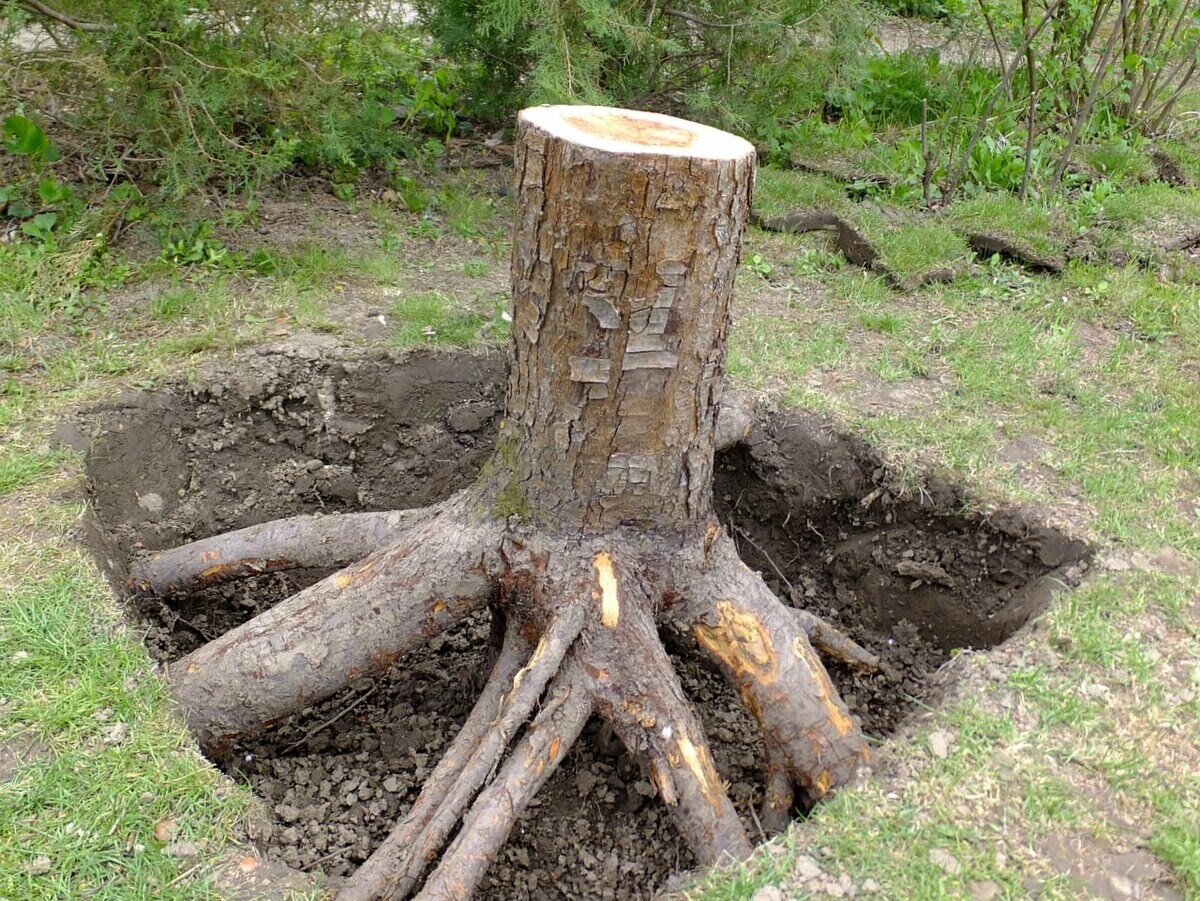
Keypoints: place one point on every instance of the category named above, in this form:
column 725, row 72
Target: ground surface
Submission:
column 1067, row 758
column 312, row 427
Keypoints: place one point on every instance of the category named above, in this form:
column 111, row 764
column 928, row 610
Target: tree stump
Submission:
column 589, row 533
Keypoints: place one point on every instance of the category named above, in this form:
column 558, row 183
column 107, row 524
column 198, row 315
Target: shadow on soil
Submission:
column 311, row 427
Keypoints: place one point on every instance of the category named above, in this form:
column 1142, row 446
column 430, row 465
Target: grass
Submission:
column 100, row 759
column 1023, row 224
column 434, row 317
column 20, row 467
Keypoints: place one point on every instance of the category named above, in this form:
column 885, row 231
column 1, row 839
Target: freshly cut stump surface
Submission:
column 589, row 534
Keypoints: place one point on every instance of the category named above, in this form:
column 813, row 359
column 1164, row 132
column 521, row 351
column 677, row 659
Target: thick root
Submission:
column 645, row 703
column 778, row 795
column 835, row 643
column 356, row 622
column 736, row 621
column 395, row 868
column 321, row 542
column 532, row 762
column 384, row 875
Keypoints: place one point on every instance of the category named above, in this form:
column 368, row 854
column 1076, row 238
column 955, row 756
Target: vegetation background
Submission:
column 1021, row 174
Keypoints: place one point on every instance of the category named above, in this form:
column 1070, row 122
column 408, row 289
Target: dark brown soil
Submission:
column 312, row 427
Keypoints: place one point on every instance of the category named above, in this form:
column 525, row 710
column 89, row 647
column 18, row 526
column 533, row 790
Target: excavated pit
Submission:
column 312, row 427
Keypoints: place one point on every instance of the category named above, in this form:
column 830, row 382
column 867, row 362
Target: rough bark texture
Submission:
column 590, row 530
column 623, row 267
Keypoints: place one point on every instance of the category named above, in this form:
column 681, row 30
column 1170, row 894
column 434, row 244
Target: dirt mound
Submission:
column 312, row 428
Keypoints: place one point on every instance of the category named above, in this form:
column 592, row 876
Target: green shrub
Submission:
column 232, row 91
column 754, row 67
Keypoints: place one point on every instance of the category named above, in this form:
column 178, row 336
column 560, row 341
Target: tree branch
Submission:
column 41, row 9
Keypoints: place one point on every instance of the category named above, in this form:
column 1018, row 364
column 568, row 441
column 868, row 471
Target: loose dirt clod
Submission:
column 312, row 428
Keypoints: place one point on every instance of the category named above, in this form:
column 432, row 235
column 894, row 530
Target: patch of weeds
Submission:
column 476, row 268
column 413, row 196
column 813, row 260
column 861, row 288
column 886, row 322
column 1051, row 801
column 425, row 230
column 1119, row 161
column 1059, row 701
column 900, row 364
column 466, row 212
column 434, row 317
column 315, row 264
column 1174, row 837
column 174, row 303
column 195, row 342
column 758, row 264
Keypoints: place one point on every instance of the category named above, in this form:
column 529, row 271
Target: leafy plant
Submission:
column 24, row 137
column 198, row 247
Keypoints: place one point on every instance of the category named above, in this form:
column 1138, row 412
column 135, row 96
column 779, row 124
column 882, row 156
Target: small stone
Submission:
column 939, row 744
column 768, row 893
column 40, row 865
column 945, row 861
column 248, row 864
column 983, row 890
column 1122, row 886
column 869, row 886
column 181, row 849
column 164, row 830
column 152, row 502
column 115, row 734
column 19, row 656
column 805, row 868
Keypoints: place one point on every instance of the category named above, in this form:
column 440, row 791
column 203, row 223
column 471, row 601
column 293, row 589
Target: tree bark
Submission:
column 589, row 530
column 624, row 255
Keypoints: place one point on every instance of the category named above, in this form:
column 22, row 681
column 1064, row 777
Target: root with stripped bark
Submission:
column 589, row 534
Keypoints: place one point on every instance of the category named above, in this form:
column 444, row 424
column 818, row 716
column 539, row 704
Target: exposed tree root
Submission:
column 532, row 762
column 836, row 643
column 393, row 870
column 590, row 611
column 987, row 244
column 316, row 541
column 356, row 622
column 736, row 620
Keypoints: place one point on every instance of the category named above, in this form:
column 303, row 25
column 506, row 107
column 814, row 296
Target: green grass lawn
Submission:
column 1088, row 725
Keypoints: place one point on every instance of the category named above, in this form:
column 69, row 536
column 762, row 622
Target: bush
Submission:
column 750, row 66
column 235, row 91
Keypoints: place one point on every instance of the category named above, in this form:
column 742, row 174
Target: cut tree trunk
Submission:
column 590, row 530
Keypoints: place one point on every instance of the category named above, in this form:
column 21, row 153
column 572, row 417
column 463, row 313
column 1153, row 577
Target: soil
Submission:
column 312, row 427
